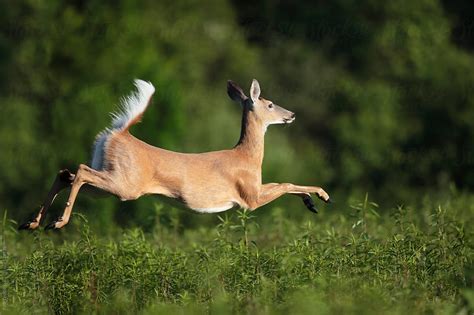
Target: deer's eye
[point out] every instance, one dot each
(270, 105)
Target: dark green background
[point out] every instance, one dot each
(383, 92)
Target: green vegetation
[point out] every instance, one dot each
(381, 91)
(403, 261)
(383, 97)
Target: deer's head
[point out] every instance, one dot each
(267, 112)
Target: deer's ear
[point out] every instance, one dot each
(254, 90)
(235, 92)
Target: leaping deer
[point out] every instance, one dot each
(206, 182)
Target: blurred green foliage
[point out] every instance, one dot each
(382, 91)
(398, 261)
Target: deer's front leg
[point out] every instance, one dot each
(270, 192)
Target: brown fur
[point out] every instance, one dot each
(202, 182)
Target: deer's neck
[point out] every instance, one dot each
(252, 135)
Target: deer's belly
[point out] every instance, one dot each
(217, 208)
(200, 208)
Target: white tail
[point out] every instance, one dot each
(133, 106)
(130, 112)
(207, 182)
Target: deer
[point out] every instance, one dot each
(209, 182)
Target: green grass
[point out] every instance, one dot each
(357, 260)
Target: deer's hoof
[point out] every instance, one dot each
(329, 201)
(309, 203)
(51, 226)
(30, 225)
(55, 225)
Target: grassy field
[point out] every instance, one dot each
(355, 259)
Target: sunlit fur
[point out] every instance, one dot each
(206, 182)
(131, 109)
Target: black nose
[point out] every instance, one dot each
(293, 115)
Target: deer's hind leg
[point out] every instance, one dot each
(63, 180)
(89, 176)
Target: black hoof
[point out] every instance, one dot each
(51, 226)
(329, 201)
(309, 203)
(26, 226)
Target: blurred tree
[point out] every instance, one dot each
(382, 91)
(67, 63)
(394, 112)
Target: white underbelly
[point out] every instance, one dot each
(219, 208)
(212, 209)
